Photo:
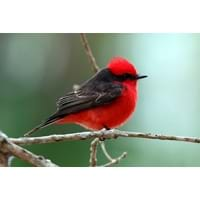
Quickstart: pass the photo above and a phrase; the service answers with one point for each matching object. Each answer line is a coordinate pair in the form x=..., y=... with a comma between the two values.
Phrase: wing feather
x=86, y=98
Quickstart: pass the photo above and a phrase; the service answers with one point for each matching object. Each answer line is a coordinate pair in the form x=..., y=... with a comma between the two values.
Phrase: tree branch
x=93, y=152
x=7, y=147
x=89, y=53
x=115, y=160
x=102, y=144
x=106, y=134
x=112, y=160
x=5, y=159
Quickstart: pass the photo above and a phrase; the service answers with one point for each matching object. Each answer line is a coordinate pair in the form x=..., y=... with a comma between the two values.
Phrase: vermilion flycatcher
x=104, y=101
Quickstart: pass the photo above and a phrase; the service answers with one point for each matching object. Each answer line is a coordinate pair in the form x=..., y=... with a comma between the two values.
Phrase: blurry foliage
x=36, y=69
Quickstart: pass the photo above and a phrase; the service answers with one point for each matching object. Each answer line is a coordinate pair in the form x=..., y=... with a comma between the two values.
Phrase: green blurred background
x=37, y=69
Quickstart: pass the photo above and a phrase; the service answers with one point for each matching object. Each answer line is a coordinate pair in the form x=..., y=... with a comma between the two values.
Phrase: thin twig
x=116, y=160
x=108, y=134
x=93, y=152
x=111, y=160
x=102, y=144
x=89, y=53
x=7, y=146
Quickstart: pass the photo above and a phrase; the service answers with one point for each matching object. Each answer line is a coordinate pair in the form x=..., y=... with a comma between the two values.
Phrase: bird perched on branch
x=106, y=100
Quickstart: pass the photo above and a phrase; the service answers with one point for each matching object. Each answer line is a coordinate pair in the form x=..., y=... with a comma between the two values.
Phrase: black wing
x=86, y=97
x=99, y=90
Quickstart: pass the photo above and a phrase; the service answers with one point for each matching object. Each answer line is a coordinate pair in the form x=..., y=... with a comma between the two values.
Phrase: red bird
x=104, y=101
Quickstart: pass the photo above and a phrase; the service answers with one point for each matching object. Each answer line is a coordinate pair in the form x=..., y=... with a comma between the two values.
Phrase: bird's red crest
x=119, y=66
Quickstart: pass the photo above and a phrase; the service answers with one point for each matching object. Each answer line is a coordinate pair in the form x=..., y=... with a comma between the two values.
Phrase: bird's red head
x=119, y=66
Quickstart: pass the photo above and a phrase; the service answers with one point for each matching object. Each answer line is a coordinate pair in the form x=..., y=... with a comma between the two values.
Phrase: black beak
x=141, y=76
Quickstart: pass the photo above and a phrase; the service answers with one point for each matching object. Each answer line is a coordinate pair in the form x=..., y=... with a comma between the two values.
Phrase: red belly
x=111, y=115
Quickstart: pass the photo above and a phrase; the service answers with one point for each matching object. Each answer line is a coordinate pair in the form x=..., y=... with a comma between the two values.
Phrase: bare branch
x=8, y=147
x=102, y=144
x=116, y=160
x=89, y=52
x=107, y=134
x=93, y=152
x=4, y=159
x=112, y=160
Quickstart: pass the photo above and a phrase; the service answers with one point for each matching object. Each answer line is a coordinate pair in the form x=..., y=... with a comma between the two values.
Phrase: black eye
x=127, y=76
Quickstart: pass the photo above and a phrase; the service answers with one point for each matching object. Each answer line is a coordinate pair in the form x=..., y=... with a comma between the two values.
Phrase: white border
x=100, y=183
x=99, y=16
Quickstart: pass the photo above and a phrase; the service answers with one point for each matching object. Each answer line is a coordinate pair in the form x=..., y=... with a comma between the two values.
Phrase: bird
x=105, y=101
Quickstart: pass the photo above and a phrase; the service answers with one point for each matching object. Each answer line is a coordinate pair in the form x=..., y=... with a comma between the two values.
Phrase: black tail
x=48, y=122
